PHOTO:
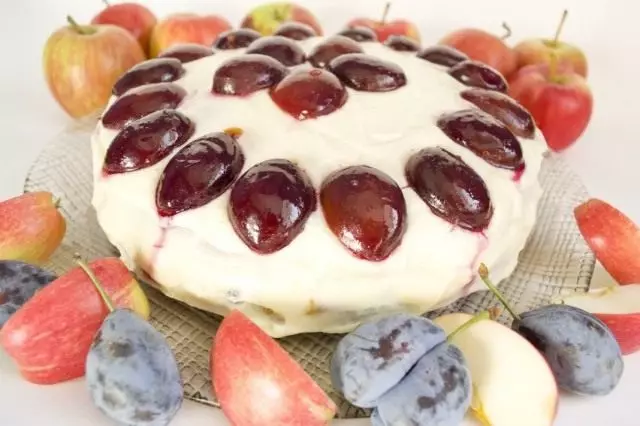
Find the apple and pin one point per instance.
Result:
(384, 29)
(613, 237)
(512, 382)
(618, 307)
(49, 336)
(181, 28)
(82, 62)
(267, 18)
(257, 383)
(31, 228)
(482, 46)
(559, 100)
(542, 51)
(133, 17)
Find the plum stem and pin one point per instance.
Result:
(477, 318)
(483, 271)
(96, 283)
(77, 27)
(507, 30)
(385, 12)
(556, 37)
(56, 202)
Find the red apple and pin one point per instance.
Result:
(384, 29)
(619, 308)
(49, 336)
(268, 17)
(613, 237)
(183, 28)
(484, 47)
(133, 17)
(257, 383)
(31, 228)
(559, 100)
(82, 63)
(543, 51)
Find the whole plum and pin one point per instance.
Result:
(377, 355)
(131, 372)
(581, 350)
(436, 392)
(19, 281)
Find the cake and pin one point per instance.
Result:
(315, 182)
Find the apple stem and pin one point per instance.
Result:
(483, 271)
(508, 31)
(477, 318)
(385, 12)
(96, 283)
(556, 37)
(106, 3)
(76, 27)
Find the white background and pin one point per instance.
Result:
(606, 157)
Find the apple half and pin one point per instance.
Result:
(613, 237)
(257, 383)
(512, 382)
(618, 307)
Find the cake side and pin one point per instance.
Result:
(314, 283)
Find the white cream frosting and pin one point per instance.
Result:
(314, 284)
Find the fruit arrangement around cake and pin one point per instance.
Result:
(338, 201)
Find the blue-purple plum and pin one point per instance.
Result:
(131, 373)
(19, 281)
(377, 355)
(581, 350)
(436, 392)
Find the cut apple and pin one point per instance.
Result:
(512, 382)
(613, 237)
(619, 308)
(257, 383)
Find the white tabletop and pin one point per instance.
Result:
(606, 157)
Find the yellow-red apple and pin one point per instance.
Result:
(183, 28)
(559, 100)
(512, 382)
(268, 17)
(258, 383)
(49, 336)
(133, 17)
(613, 237)
(482, 46)
(543, 51)
(619, 308)
(31, 228)
(384, 28)
(82, 62)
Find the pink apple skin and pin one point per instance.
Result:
(50, 336)
(186, 28)
(133, 17)
(485, 47)
(626, 329)
(561, 102)
(257, 383)
(541, 51)
(613, 237)
(386, 29)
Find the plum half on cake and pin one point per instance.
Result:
(314, 183)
